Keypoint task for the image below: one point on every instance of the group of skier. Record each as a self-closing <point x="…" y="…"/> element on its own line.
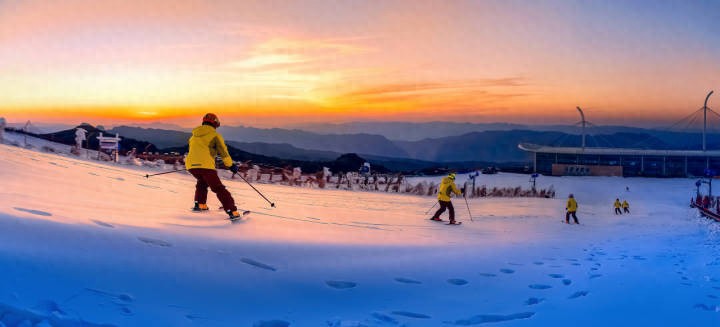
<point x="624" y="205"/>
<point x="571" y="208"/>
<point x="206" y="143"/>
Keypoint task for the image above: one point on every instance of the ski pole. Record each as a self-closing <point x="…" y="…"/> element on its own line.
<point x="256" y="190"/>
<point x="468" y="207"/>
<point x="427" y="212"/>
<point x="167" y="172"/>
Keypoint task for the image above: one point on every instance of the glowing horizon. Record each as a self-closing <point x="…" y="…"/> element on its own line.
<point x="278" y="63"/>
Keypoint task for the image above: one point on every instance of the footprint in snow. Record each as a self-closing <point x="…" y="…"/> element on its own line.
<point x="258" y="264"/>
<point x="487" y="275"/>
<point x="49" y="307"/>
<point x="125" y="311"/>
<point x="149" y="186"/>
<point x="271" y="323"/>
<point x="154" y="241"/>
<point x="539" y="286"/>
<point x="94" y="174"/>
<point x="121" y="297"/>
<point x="578" y="294"/>
<point x="341" y="285"/>
<point x="538" y="263"/>
<point x="407" y="280"/>
<point x="34" y="212"/>
<point x="457" y="281"/>
<point x="593" y="276"/>
<point x="507" y="271"/>
<point x="556" y="275"/>
<point x="102" y="223"/>
<point x="383" y="318"/>
<point x="566" y="282"/>
<point x="411" y="314"/>
<point x="533" y="301"/>
<point x="491" y="318"/>
<point x="706" y="307"/>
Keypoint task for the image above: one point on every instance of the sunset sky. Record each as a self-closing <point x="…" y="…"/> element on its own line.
<point x="274" y="63"/>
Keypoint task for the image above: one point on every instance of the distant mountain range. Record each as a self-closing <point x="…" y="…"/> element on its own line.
<point x="408" y="131"/>
<point x="486" y="146"/>
<point x="476" y="149"/>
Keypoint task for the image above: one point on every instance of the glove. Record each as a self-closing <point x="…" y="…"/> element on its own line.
<point x="234" y="168"/>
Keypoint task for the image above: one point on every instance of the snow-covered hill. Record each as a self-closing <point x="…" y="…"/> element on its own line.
<point x="84" y="243"/>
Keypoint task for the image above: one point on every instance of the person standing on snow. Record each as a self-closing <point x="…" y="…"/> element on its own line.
<point x="626" y="206"/>
<point x="204" y="144"/>
<point x="447" y="186"/>
<point x="617" y="206"/>
<point x="571" y="208"/>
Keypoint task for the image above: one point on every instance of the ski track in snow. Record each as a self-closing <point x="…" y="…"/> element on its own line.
<point x="102" y="223"/>
<point x="485" y="318"/>
<point x="411" y="314"/>
<point x="34" y="212"/>
<point x="341" y="285"/>
<point x="407" y="280"/>
<point x="154" y="241"/>
<point x="271" y="323"/>
<point x="457" y="281"/>
<point x="258" y="264"/>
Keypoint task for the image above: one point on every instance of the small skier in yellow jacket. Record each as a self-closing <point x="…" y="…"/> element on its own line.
<point x="571" y="209"/>
<point x="626" y="206"/>
<point x="204" y="144"/>
<point x="447" y="186"/>
<point x="617" y="206"/>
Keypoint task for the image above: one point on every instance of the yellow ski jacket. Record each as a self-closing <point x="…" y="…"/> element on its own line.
<point x="617" y="204"/>
<point x="205" y="144"/>
<point x="447" y="186"/>
<point x="571" y="205"/>
<point x="625" y="204"/>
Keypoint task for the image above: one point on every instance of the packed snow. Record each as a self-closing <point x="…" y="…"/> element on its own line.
<point x="86" y="243"/>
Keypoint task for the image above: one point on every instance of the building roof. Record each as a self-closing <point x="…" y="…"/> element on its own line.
<point x="617" y="151"/>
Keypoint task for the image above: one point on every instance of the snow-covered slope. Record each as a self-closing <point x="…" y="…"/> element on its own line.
<point x="85" y="243"/>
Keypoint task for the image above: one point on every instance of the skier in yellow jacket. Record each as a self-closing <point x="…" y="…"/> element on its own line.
<point x="571" y="209"/>
<point x="617" y="206"/>
<point x="205" y="144"/>
<point x="447" y="186"/>
<point x="626" y="206"/>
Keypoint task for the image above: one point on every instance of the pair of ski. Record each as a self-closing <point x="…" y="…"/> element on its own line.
<point x="243" y="214"/>
<point x="442" y="221"/>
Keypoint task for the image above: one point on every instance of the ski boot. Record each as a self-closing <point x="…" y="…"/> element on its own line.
<point x="436" y="219"/>
<point x="200" y="207"/>
<point x="233" y="215"/>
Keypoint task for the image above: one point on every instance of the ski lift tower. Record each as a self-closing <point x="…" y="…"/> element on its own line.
<point x="109" y="143"/>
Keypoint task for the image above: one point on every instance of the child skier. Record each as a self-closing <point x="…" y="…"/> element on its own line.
<point x="617" y="206"/>
<point x="206" y="143"/>
<point x="571" y="209"/>
<point x="626" y="206"/>
<point x="447" y="186"/>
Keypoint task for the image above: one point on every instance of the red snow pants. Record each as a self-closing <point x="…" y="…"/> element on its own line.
<point x="209" y="178"/>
